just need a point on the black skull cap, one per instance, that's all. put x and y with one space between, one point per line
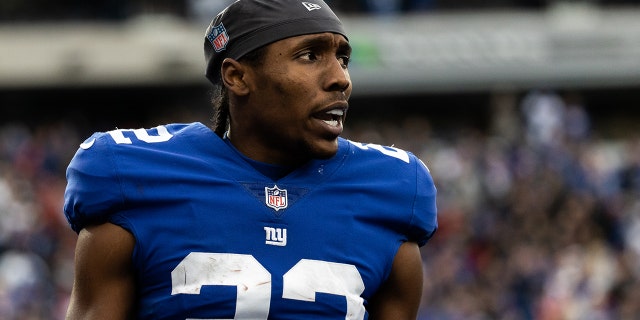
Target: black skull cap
246 25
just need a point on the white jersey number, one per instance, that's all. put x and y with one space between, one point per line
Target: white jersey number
253 282
141 134
389 151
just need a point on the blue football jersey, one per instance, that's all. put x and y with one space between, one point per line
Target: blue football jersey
216 239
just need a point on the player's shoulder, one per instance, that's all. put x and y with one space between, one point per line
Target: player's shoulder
142 137
142 142
110 151
108 165
381 160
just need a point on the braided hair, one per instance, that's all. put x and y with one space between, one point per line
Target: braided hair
221 110
221 116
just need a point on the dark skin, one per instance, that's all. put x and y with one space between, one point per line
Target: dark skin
104 285
286 111
276 108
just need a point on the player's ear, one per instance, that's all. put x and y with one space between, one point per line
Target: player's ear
233 76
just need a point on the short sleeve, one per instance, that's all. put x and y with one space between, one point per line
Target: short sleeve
424 222
92 192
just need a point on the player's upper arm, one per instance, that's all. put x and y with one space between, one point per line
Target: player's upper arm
104 285
399 297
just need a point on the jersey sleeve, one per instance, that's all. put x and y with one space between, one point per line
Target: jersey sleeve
92 191
424 222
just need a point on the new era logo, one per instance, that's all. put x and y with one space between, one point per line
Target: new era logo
311 6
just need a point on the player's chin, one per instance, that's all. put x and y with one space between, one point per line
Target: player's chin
325 148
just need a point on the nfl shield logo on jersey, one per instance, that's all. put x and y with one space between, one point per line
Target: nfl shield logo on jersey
275 197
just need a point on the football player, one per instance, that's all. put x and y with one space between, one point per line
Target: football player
269 214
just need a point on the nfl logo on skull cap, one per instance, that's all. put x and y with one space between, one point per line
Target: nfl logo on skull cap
275 197
218 37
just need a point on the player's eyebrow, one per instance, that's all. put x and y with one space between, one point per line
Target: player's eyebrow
344 47
324 40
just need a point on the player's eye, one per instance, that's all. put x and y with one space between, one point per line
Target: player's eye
344 60
309 55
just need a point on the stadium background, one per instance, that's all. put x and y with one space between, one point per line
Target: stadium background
526 113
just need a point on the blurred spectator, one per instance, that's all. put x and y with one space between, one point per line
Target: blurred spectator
577 123
544 117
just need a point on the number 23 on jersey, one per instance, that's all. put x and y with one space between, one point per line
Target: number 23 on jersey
253 282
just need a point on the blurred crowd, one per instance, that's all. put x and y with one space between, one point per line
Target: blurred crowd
36 247
539 214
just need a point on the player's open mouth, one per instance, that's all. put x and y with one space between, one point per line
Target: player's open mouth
332 117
